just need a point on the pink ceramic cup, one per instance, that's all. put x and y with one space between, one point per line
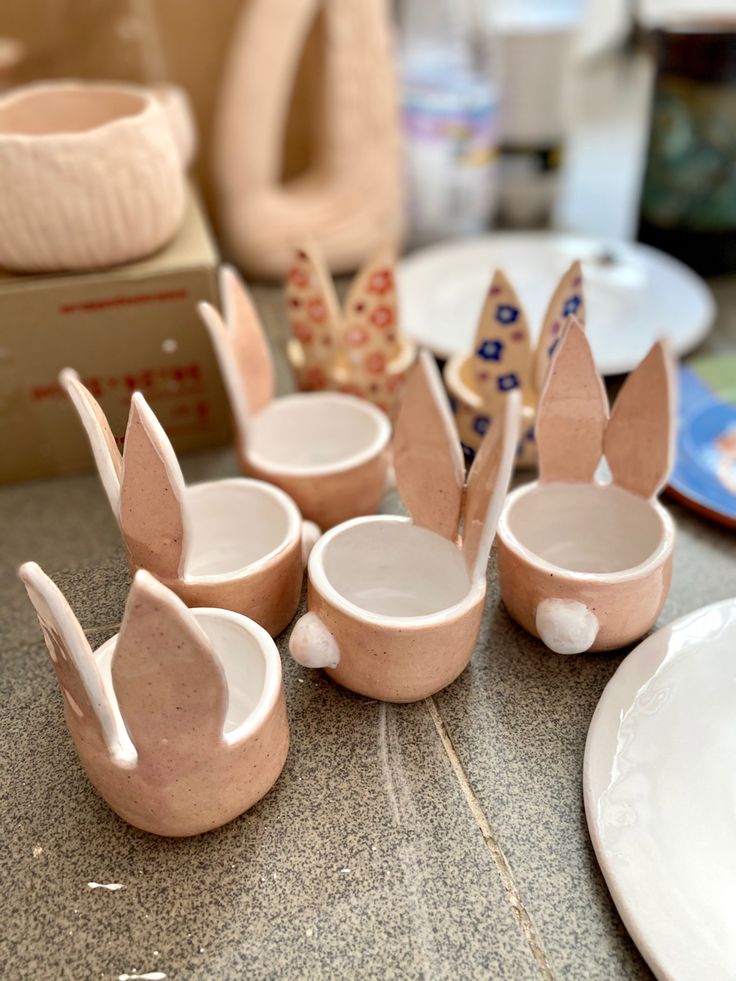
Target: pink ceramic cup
585 567
585 564
234 543
393 613
179 720
395 603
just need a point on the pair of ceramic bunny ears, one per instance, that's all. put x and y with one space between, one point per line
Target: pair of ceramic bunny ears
503 347
574 430
144 484
365 330
430 468
169 686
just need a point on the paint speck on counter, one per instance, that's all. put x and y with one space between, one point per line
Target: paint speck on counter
151 976
110 886
346 870
37 851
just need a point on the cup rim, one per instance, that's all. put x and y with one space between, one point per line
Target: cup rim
147 105
349 462
292 535
318 579
652 562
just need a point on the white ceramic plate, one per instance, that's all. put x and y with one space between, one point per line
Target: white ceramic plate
659 781
634 294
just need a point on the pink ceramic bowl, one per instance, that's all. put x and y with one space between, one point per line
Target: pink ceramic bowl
91 175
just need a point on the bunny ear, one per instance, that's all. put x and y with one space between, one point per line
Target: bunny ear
502 350
314 313
370 319
572 414
169 684
430 473
152 517
74 663
222 344
249 346
567 301
101 440
488 482
639 440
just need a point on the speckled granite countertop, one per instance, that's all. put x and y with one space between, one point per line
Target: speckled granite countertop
435 840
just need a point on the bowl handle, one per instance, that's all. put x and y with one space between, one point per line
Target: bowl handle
566 626
312 645
311 533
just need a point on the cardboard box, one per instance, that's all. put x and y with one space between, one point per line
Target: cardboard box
133 327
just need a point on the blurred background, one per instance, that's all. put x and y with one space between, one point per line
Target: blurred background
514 112
465 134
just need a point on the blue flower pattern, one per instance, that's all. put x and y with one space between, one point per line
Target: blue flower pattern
481 424
490 350
572 305
506 314
507 382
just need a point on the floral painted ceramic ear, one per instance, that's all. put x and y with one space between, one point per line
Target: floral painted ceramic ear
568 300
586 565
327 450
503 360
236 544
314 316
179 720
357 349
395 603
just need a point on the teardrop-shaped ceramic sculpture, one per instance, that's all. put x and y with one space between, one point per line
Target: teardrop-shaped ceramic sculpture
349 193
91 174
357 348
237 544
586 565
328 450
395 604
504 360
179 719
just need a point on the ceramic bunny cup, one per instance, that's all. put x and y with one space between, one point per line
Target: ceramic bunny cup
327 450
395 604
237 544
179 720
585 565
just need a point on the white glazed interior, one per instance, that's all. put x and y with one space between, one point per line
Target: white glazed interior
384 568
234 524
58 109
588 529
316 433
249 660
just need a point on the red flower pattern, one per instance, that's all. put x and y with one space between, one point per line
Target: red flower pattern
316 310
381 282
375 363
382 316
302 332
316 378
356 336
299 277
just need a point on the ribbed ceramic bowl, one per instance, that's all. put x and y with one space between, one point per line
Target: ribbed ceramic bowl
90 176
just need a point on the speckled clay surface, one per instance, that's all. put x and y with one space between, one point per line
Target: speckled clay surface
367 859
